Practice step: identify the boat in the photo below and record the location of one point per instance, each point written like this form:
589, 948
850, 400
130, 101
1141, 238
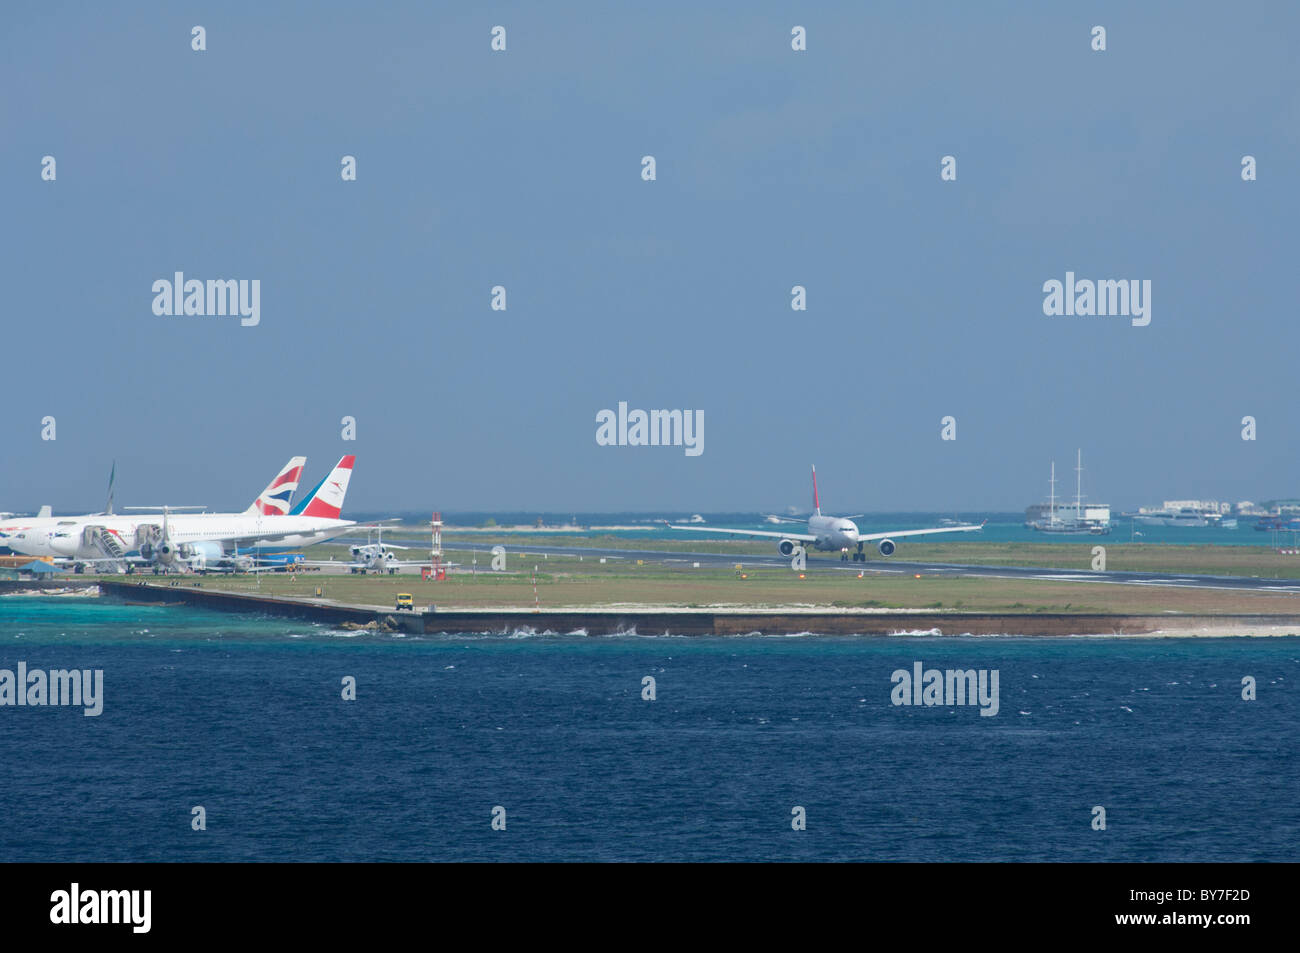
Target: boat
1183, 516
1091, 520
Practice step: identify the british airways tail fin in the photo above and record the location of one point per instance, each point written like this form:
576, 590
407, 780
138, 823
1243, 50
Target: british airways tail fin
275, 499
817, 503
326, 498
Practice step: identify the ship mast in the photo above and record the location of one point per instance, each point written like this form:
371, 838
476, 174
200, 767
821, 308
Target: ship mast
1078, 491
1051, 519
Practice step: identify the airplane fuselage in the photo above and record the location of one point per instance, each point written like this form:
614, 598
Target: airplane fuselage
832, 532
66, 537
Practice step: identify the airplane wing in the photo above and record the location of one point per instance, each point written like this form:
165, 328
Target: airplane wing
802, 537
867, 537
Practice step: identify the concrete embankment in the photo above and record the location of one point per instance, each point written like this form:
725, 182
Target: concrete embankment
693, 622
307, 609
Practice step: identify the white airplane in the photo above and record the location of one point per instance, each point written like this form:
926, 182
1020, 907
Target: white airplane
829, 533
314, 520
161, 551
45, 519
111, 536
121, 540
376, 556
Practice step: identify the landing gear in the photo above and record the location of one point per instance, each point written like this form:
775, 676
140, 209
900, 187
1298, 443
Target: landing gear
859, 556
844, 556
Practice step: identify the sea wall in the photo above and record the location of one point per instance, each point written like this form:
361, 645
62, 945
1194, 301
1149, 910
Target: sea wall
687, 621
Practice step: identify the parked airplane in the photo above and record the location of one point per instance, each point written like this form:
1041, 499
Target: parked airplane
120, 530
205, 534
829, 533
118, 540
44, 519
376, 556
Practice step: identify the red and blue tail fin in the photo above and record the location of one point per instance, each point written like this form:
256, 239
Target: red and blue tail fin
275, 499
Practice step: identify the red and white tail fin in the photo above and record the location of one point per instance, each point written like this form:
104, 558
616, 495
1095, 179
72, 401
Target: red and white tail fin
327, 500
275, 499
817, 503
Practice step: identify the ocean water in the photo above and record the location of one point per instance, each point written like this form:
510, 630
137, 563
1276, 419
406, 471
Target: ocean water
243, 715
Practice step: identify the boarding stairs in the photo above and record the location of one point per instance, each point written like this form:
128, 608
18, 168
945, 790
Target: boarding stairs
102, 541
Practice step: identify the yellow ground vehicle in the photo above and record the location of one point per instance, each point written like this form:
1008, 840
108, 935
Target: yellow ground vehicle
405, 601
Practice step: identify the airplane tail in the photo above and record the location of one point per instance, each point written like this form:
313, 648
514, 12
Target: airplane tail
817, 503
275, 499
326, 499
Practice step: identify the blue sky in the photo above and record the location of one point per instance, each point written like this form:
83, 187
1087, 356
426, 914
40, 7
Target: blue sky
775, 168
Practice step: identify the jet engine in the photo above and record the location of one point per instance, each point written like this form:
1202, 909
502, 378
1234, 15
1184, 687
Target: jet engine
786, 547
205, 551
886, 547
148, 536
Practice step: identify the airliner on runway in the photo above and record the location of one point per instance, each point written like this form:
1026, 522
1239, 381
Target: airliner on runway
829, 533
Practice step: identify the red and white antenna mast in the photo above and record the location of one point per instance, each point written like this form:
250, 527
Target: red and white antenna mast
436, 569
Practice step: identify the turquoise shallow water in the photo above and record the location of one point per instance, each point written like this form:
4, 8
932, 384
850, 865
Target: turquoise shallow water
243, 716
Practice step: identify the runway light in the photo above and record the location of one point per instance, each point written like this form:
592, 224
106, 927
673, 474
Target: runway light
801, 575
859, 575
917, 576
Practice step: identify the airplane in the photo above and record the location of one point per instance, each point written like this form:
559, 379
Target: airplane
113, 535
315, 520
376, 556
161, 551
114, 540
44, 518
828, 533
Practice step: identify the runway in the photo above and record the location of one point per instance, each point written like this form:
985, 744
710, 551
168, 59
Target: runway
894, 567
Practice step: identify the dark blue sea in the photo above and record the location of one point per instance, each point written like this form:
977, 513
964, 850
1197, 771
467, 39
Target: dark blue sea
244, 716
